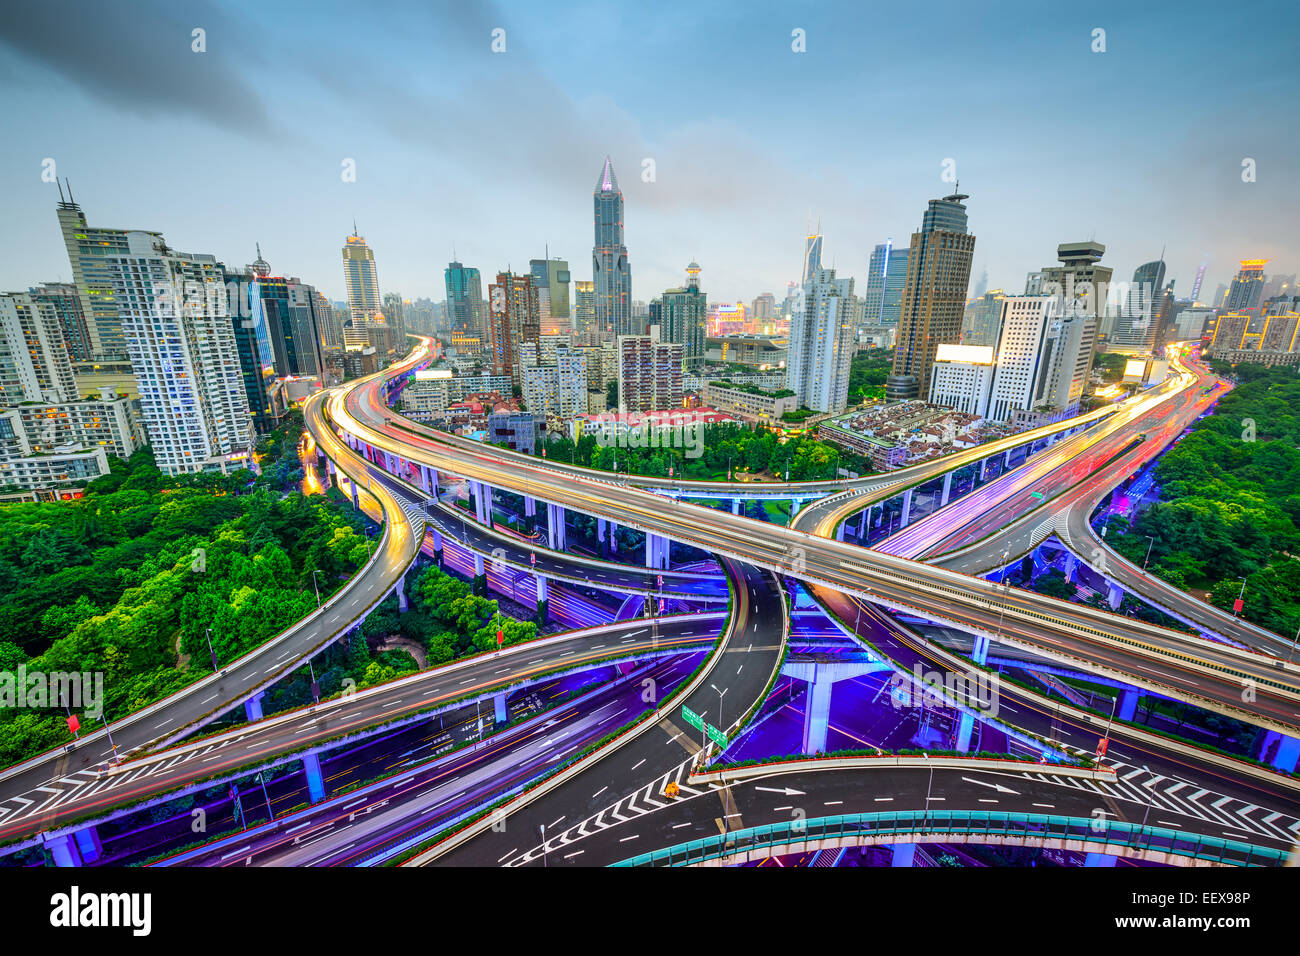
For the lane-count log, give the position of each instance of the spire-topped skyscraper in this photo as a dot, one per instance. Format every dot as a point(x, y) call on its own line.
point(609, 266)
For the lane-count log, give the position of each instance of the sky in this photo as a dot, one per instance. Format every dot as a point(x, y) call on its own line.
point(725, 140)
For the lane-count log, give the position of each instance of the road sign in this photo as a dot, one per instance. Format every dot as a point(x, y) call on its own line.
point(1101, 747)
point(532, 557)
point(1237, 605)
point(73, 723)
point(692, 718)
point(501, 637)
point(717, 736)
point(661, 582)
point(1037, 494)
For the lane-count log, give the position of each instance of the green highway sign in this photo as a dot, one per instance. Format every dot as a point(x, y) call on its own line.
point(717, 736)
point(692, 718)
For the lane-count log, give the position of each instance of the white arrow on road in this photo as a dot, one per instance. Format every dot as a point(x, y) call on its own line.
point(996, 786)
point(785, 791)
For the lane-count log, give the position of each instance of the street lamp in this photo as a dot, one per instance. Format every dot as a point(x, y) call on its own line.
point(925, 820)
point(211, 652)
point(315, 572)
point(1293, 644)
point(545, 862)
point(721, 694)
point(1148, 557)
point(1240, 596)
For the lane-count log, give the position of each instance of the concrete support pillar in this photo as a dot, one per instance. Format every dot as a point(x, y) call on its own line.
point(499, 707)
point(1100, 859)
point(965, 729)
point(437, 545)
point(556, 537)
point(601, 537)
point(479, 569)
point(253, 707)
point(984, 464)
point(863, 523)
point(794, 507)
point(402, 603)
point(1128, 705)
point(1071, 567)
point(356, 497)
point(88, 845)
point(530, 507)
point(980, 649)
point(1006, 461)
point(904, 854)
point(1279, 751)
point(613, 539)
point(64, 850)
point(817, 716)
point(315, 781)
point(907, 509)
point(839, 531)
point(735, 506)
point(1114, 596)
point(947, 489)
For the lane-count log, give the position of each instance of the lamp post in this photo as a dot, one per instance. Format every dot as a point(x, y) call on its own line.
point(211, 652)
point(1148, 557)
point(1240, 596)
point(545, 861)
point(315, 585)
point(721, 694)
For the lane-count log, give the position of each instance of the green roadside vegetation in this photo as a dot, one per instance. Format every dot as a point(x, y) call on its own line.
point(1231, 503)
point(126, 581)
point(867, 373)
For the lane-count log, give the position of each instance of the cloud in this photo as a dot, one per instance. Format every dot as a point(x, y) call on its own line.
point(137, 57)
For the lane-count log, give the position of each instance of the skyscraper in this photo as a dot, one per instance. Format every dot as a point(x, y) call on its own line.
point(649, 373)
point(983, 320)
point(552, 275)
point(821, 343)
point(88, 251)
point(934, 295)
point(181, 340)
point(464, 299)
point(683, 314)
point(67, 302)
point(513, 320)
point(886, 276)
point(584, 309)
point(609, 265)
point(812, 255)
point(1138, 320)
point(1247, 287)
point(361, 278)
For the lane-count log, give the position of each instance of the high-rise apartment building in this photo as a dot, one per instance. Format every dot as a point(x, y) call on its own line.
point(89, 250)
point(584, 309)
point(683, 315)
point(34, 361)
point(181, 340)
point(361, 278)
point(763, 310)
point(67, 302)
point(512, 321)
point(934, 295)
point(610, 270)
point(886, 275)
point(649, 373)
point(1044, 354)
point(821, 343)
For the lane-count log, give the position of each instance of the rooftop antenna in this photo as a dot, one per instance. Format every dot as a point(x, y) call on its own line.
point(354, 227)
point(69, 183)
point(60, 185)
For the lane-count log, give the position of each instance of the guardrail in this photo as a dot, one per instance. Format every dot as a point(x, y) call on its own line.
point(856, 828)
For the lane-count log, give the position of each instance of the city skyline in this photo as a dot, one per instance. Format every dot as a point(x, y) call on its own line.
point(414, 195)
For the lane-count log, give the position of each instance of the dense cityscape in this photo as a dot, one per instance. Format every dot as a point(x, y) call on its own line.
point(892, 561)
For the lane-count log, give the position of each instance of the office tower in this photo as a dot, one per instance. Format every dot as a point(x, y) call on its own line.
point(1247, 288)
point(886, 277)
point(552, 276)
point(982, 321)
point(179, 334)
point(821, 343)
point(683, 314)
point(609, 264)
point(1134, 329)
point(812, 255)
point(395, 318)
point(762, 311)
point(361, 278)
point(327, 323)
point(512, 321)
point(1196, 285)
point(584, 310)
point(464, 300)
point(934, 295)
point(982, 285)
point(67, 303)
point(649, 373)
point(34, 361)
point(308, 358)
point(962, 377)
point(89, 249)
point(1279, 285)
point(1084, 287)
point(1044, 355)
point(257, 361)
